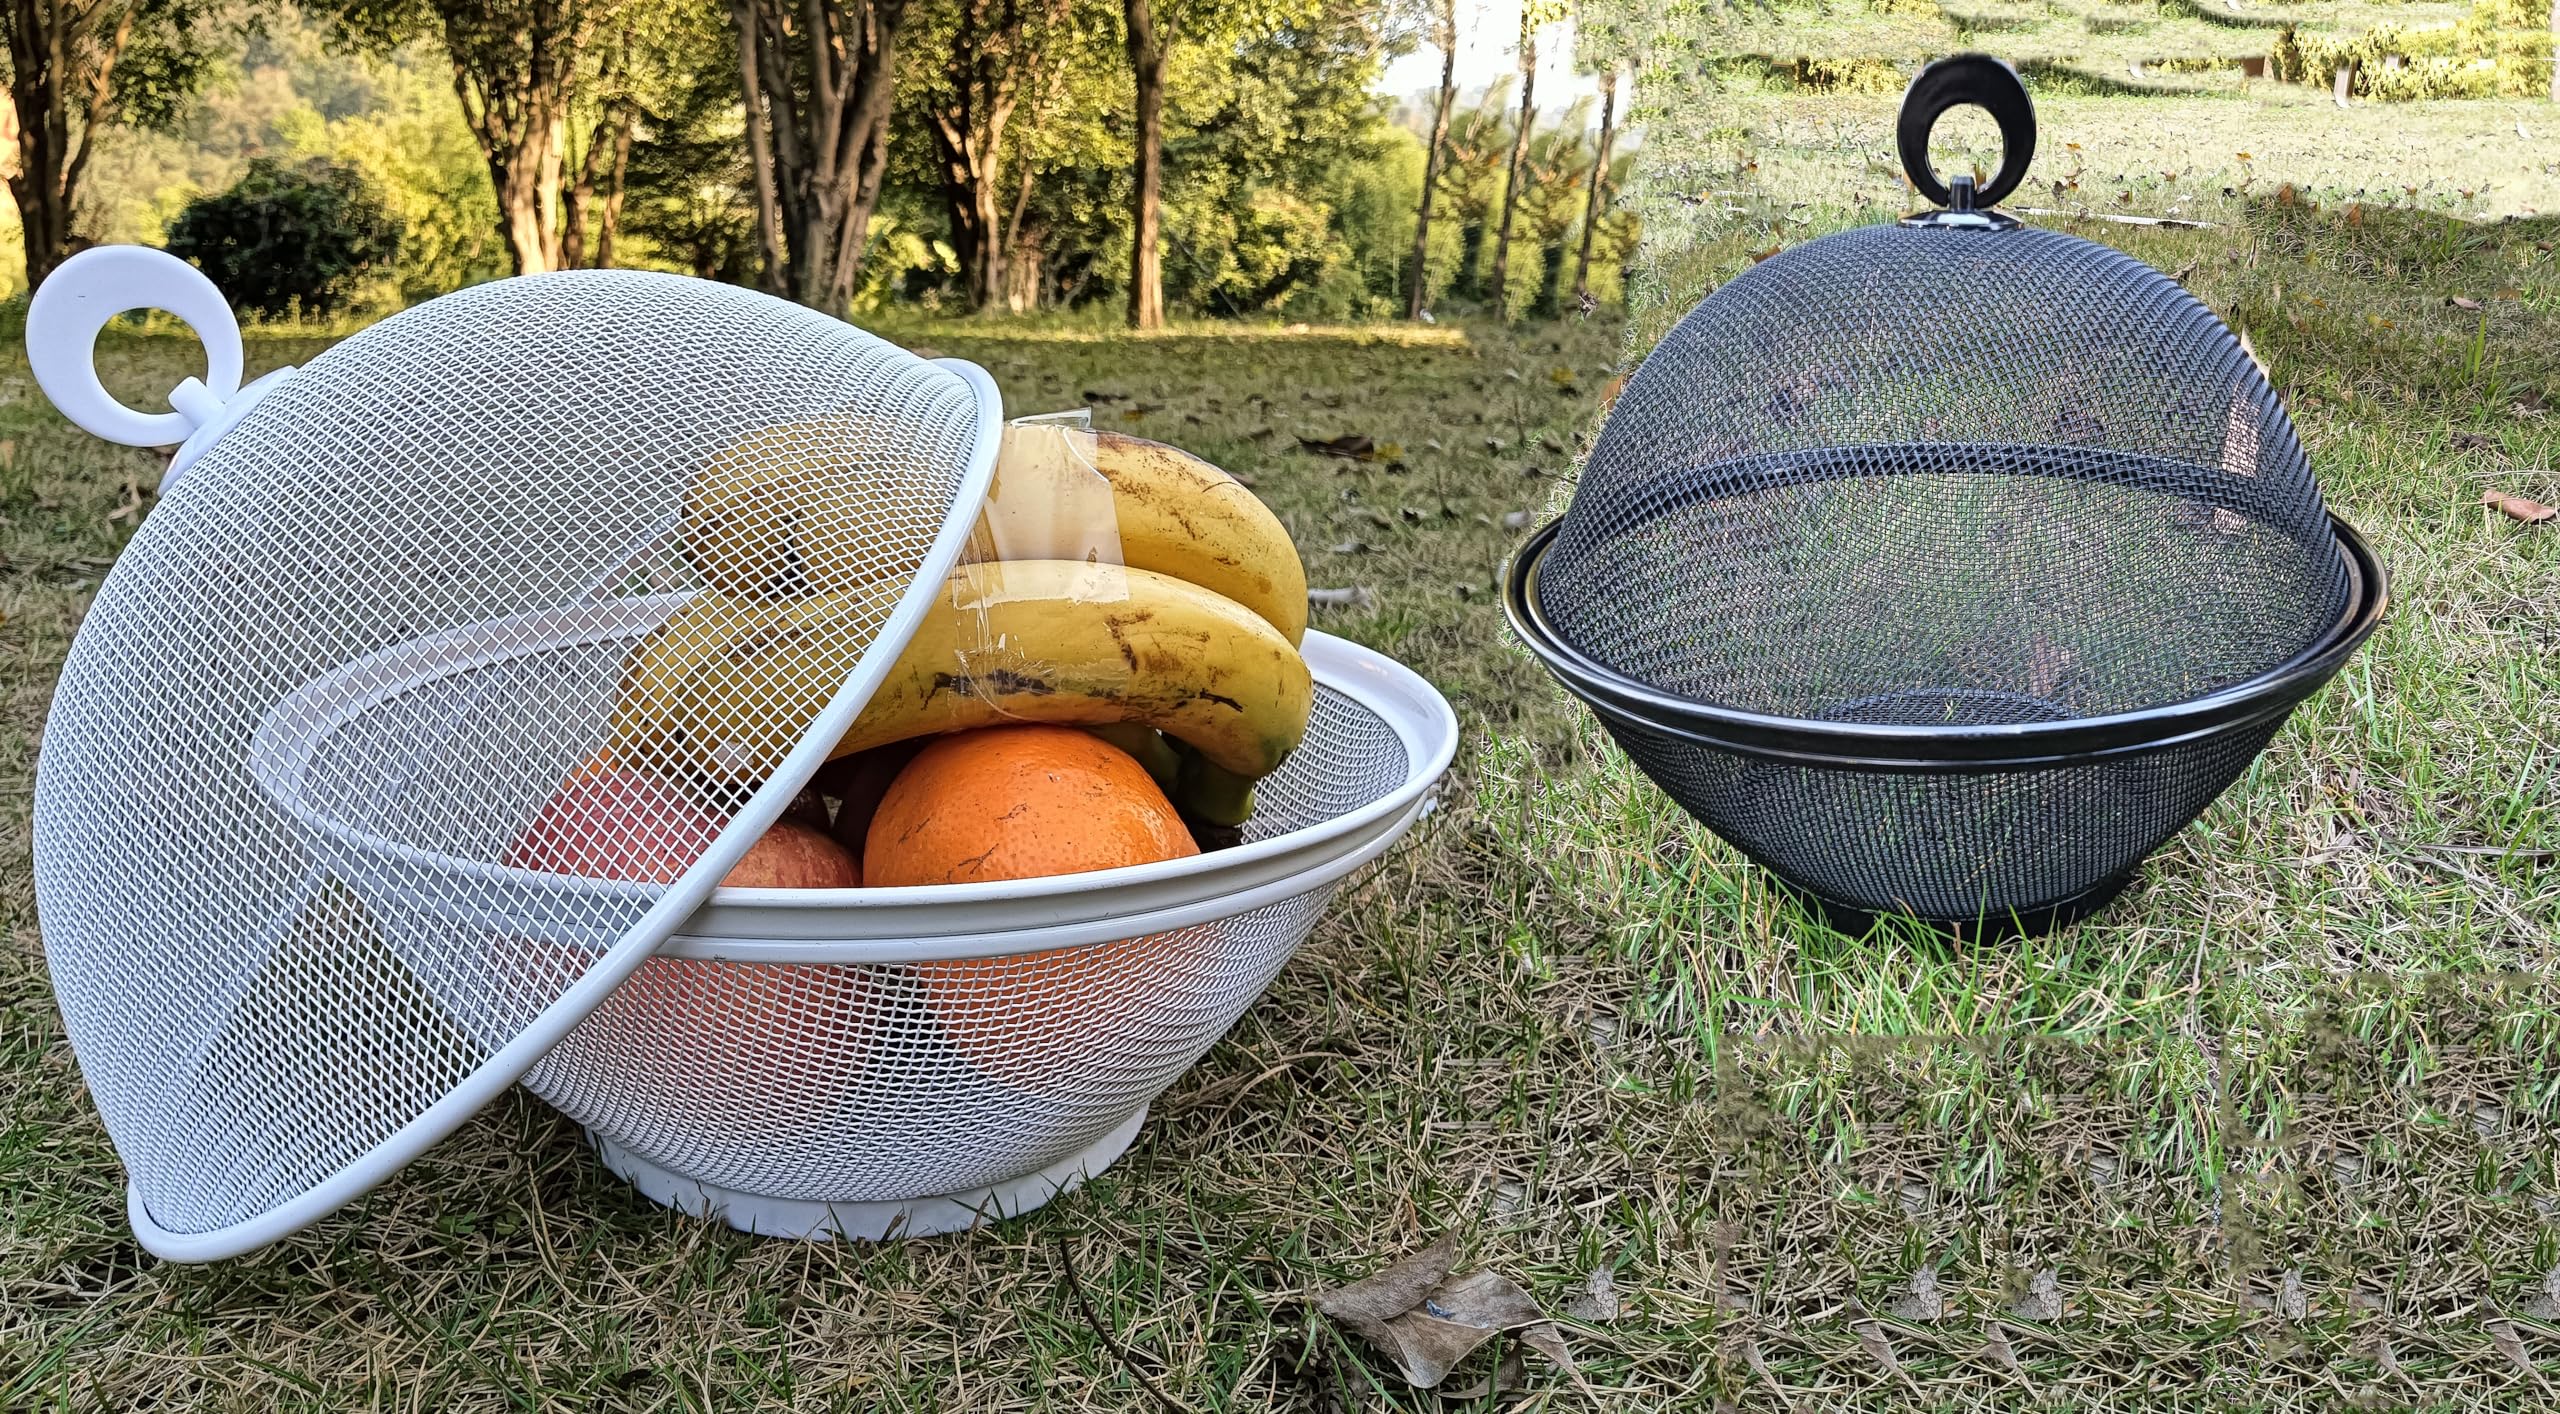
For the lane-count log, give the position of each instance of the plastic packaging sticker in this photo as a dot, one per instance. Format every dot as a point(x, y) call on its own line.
point(1048, 501)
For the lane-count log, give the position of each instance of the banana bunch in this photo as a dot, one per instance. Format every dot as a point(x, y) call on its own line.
point(1114, 583)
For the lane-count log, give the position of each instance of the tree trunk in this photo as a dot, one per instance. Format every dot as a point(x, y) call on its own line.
point(2555, 51)
point(48, 61)
point(977, 237)
point(743, 17)
point(971, 153)
point(1022, 270)
point(1550, 301)
point(818, 80)
point(1417, 279)
point(1468, 283)
point(609, 220)
point(1501, 291)
point(523, 203)
point(2345, 79)
point(1599, 174)
point(1146, 258)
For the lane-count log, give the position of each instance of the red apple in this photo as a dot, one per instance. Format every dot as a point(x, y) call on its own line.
point(617, 823)
point(793, 856)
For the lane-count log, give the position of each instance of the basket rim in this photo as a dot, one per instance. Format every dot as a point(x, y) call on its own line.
point(1879, 746)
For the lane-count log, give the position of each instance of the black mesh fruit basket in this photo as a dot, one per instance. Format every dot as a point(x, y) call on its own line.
point(1947, 568)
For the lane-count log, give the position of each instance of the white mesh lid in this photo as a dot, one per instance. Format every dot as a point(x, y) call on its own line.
point(357, 793)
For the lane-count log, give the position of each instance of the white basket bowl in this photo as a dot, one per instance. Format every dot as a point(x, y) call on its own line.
point(865, 1062)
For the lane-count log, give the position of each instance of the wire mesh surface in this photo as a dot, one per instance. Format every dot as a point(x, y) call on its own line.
point(2009, 466)
point(1948, 847)
point(1933, 477)
point(399, 598)
point(861, 1083)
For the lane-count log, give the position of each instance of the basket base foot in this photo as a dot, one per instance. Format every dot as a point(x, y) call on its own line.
point(869, 1221)
point(1854, 921)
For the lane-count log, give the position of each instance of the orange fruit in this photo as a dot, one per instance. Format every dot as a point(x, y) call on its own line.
point(684, 1030)
point(1026, 802)
point(1019, 803)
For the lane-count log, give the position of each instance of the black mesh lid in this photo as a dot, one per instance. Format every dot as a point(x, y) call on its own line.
point(1950, 470)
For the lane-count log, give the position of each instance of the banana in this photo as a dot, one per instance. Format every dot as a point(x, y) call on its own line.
point(699, 652)
point(1210, 793)
point(1148, 748)
point(1036, 641)
point(792, 510)
point(761, 508)
point(1176, 515)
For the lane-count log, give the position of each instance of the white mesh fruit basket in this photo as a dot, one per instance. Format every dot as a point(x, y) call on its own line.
point(388, 603)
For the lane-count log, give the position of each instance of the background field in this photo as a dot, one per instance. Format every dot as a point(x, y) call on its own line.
point(2276, 1132)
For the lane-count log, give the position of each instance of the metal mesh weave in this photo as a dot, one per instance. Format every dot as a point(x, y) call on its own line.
point(1896, 464)
point(864, 1083)
point(283, 807)
point(1937, 477)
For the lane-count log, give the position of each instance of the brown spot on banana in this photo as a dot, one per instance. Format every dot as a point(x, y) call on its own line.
point(1013, 641)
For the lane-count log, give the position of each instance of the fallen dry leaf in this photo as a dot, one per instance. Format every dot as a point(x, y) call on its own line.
point(1760, 255)
point(1349, 598)
point(2043, 1301)
point(1597, 1302)
point(1872, 1339)
point(2517, 507)
point(2293, 1302)
point(1509, 1373)
point(1515, 520)
point(1350, 446)
point(1099, 395)
point(1427, 1321)
point(2461, 303)
point(2001, 1353)
point(1349, 547)
point(2545, 1304)
point(1924, 1303)
point(2502, 1334)
point(2476, 441)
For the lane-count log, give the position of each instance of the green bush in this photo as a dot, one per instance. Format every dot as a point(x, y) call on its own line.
point(287, 239)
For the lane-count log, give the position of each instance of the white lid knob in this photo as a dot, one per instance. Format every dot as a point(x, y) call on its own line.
point(77, 300)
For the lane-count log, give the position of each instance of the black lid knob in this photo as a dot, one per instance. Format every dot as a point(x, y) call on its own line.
point(1953, 82)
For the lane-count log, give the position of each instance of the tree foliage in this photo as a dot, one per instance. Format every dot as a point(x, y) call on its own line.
point(288, 237)
point(76, 70)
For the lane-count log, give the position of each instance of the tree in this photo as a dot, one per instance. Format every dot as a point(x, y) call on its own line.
point(1599, 179)
point(819, 79)
point(1146, 254)
point(518, 67)
point(689, 186)
point(288, 237)
point(1444, 33)
point(982, 62)
point(1478, 139)
point(76, 70)
point(2555, 51)
point(1552, 175)
point(1534, 16)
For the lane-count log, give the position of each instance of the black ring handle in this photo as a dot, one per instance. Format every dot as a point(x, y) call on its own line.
point(1953, 82)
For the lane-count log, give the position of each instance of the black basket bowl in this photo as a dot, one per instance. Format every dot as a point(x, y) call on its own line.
point(1949, 566)
point(1977, 811)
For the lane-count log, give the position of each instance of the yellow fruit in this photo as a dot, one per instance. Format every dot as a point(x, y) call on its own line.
point(1031, 641)
point(1173, 513)
point(758, 507)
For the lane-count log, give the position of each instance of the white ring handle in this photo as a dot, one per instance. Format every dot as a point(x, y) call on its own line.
point(77, 300)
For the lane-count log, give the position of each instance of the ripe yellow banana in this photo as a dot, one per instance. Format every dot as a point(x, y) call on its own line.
point(1017, 641)
point(1175, 514)
point(759, 507)
point(787, 511)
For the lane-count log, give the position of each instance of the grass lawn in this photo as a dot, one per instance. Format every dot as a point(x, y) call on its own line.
point(2276, 1131)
